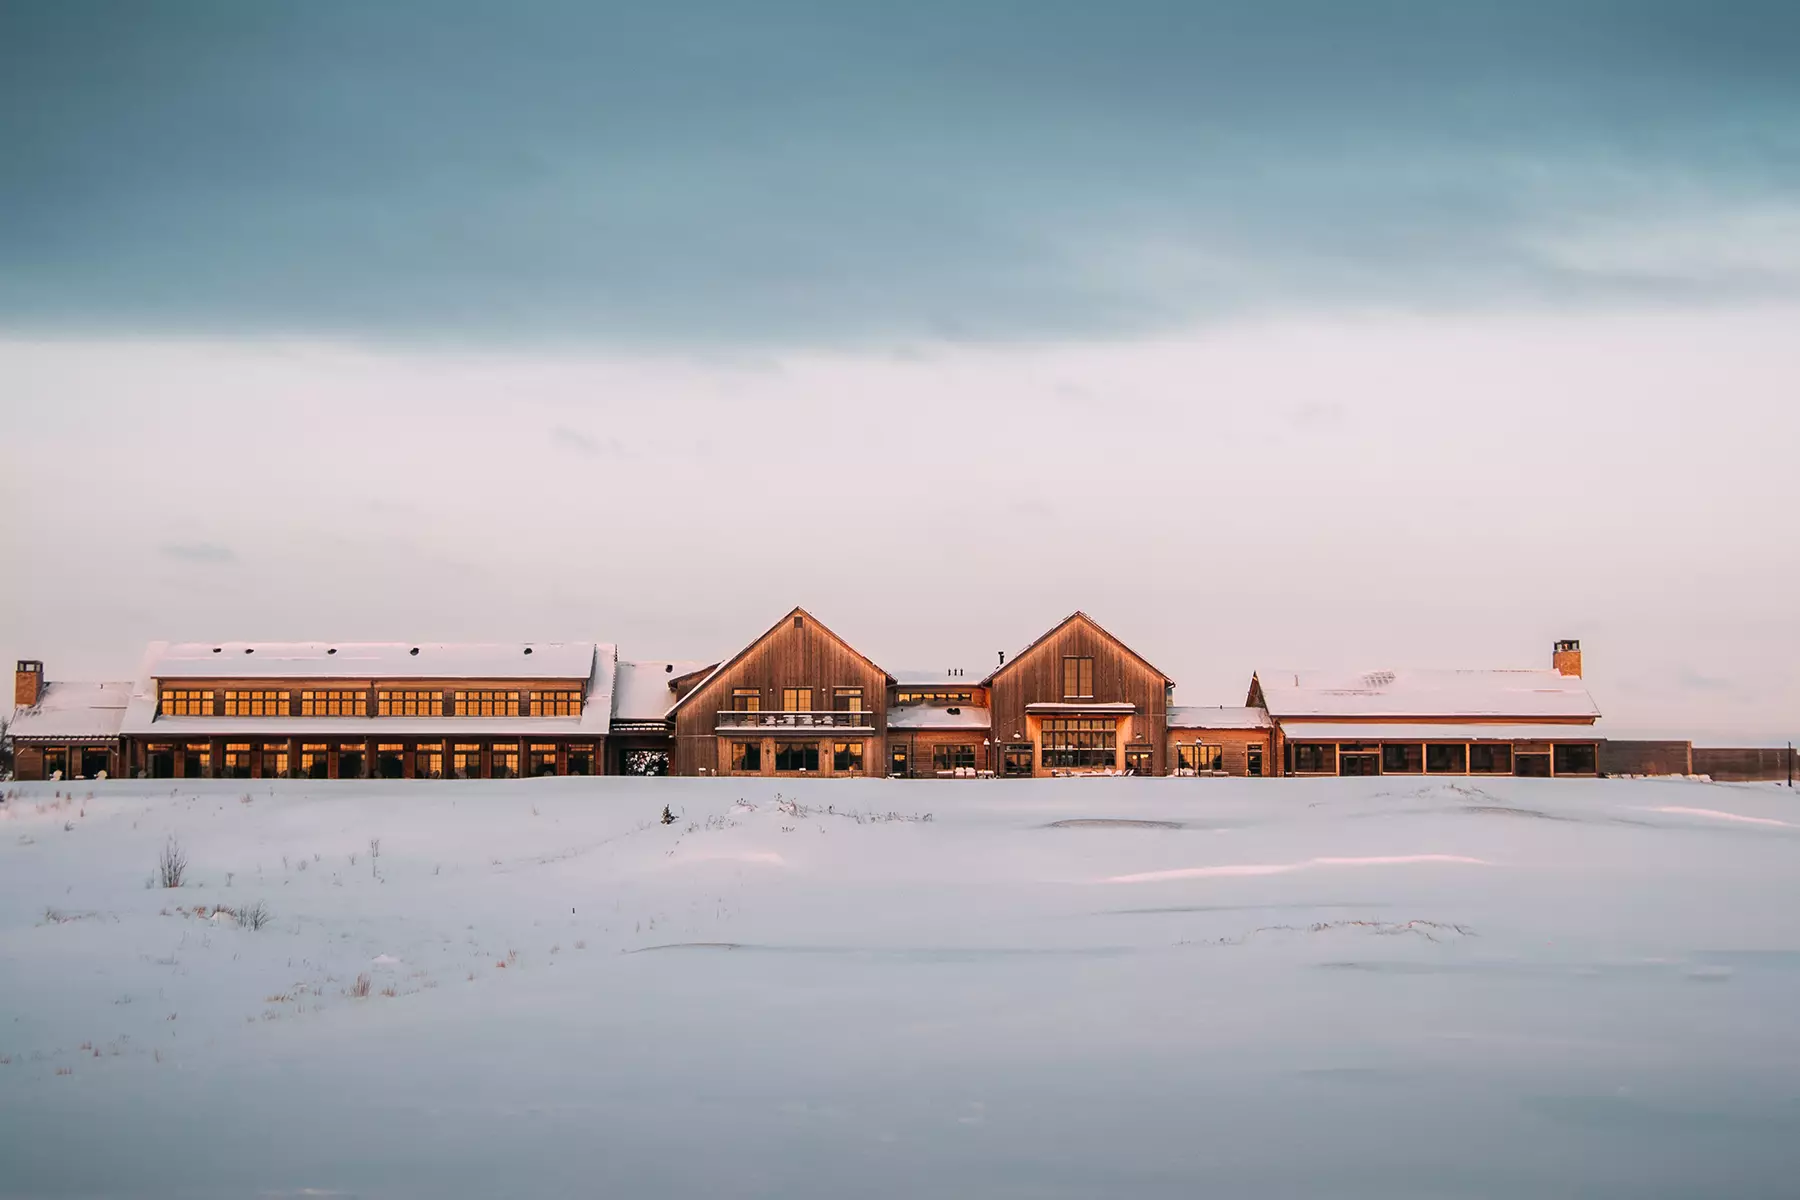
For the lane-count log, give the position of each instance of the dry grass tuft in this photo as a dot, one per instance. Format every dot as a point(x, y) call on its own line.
point(360, 989)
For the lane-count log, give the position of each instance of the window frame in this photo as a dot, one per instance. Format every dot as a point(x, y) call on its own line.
point(332, 702)
point(258, 702)
point(185, 702)
point(1081, 667)
point(744, 757)
point(790, 697)
point(847, 757)
point(807, 750)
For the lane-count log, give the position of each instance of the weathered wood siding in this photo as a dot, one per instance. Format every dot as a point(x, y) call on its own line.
point(1234, 745)
point(797, 652)
point(1036, 677)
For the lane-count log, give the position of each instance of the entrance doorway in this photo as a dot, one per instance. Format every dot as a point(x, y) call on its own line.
point(1254, 756)
point(1017, 761)
point(1360, 763)
point(897, 764)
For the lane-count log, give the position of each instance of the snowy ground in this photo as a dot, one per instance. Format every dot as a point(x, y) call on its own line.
point(1072, 988)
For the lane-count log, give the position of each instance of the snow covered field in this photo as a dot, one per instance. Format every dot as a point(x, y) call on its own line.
point(1169, 988)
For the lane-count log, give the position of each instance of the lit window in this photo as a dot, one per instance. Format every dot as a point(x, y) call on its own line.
point(556, 704)
point(257, 704)
point(390, 761)
point(746, 700)
point(409, 703)
point(1080, 741)
point(467, 761)
point(542, 760)
point(1199, 758)
point(505, 760)
point(275, 760)
point(187, 703)
point(237, 760)
point(487, 704)
point(746, 758)
point(847, 758)
point(428, 760)
point(796, 699)
point(1078, 678)
point(934, 696)
point(580, 758)
point(847, 699)
point(334, 704)
point(315, 761)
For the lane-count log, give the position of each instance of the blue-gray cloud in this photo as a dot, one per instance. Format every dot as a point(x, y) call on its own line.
point(209, 553)
point(819, 170)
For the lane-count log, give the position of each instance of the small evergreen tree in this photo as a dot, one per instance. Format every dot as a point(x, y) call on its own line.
point(668, 818)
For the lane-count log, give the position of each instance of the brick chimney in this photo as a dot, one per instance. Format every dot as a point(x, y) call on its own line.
point(1567, 658)
point(28, 683)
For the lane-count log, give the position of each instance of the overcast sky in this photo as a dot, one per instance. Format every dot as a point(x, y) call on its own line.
point(1289, 333)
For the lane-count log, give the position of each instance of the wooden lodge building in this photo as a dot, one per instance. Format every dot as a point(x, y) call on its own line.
point(798, 700)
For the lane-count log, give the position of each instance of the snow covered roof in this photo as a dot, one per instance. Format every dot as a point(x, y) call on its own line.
point(1207, 717)
point(596, 662)
point(1077, 615)
point(1399, 731)
point(386, 660)
point(934, 677)
point(642, 692)
point(74, 710)
point(933, 716)
point(1425, 693)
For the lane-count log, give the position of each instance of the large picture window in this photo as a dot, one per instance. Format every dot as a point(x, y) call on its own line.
point(390, 760)
point(847, 699)
point(1574, 759)
point(1139, 760)
point(796, 699)
point(797, 756)
point(505, 761)
point(1446, 760)
point(409, 703)
point(1080, 742)
point(487, 704)
point(428, 760)
point(542, 760)
point(1402, 758)
point(275, 760)
point(465, 762)
point(746, 758)
point(1314, 758)
point(556, 704)
point(257, 704)
point(1490, 760)
point(952, 758)
point(1078, 678)
point(847, 758)
point(1199, 758)
point(315, 761)
point(334, 704)
point(351, 760)
point(196, 760)
point(237, 760)
point(187, 702)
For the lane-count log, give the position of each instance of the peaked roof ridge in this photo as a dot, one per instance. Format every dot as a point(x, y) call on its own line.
point(1048, 633)
point(765, 635)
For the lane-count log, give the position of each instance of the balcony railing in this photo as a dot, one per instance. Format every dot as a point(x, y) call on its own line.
point(796, 720)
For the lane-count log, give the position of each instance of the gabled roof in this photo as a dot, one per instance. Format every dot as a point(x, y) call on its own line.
point(594, 662)
point(763, 637)
point(1527, 695)
point(1188, 716)
point(387, 660)
point(74, 710)
point(1077, 615)
point(643, 691)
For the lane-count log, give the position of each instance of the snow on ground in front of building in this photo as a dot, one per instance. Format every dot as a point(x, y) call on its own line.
point(1111, 987)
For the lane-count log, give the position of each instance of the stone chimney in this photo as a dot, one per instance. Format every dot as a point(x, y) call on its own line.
point(28, 683)
point(1567, 658)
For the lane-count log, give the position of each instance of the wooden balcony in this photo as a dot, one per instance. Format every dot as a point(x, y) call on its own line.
point(785, 722)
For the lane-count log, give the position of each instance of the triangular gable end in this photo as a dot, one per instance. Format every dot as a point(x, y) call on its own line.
point(1255, 698)
point(1051, 632)
point(766, 634)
